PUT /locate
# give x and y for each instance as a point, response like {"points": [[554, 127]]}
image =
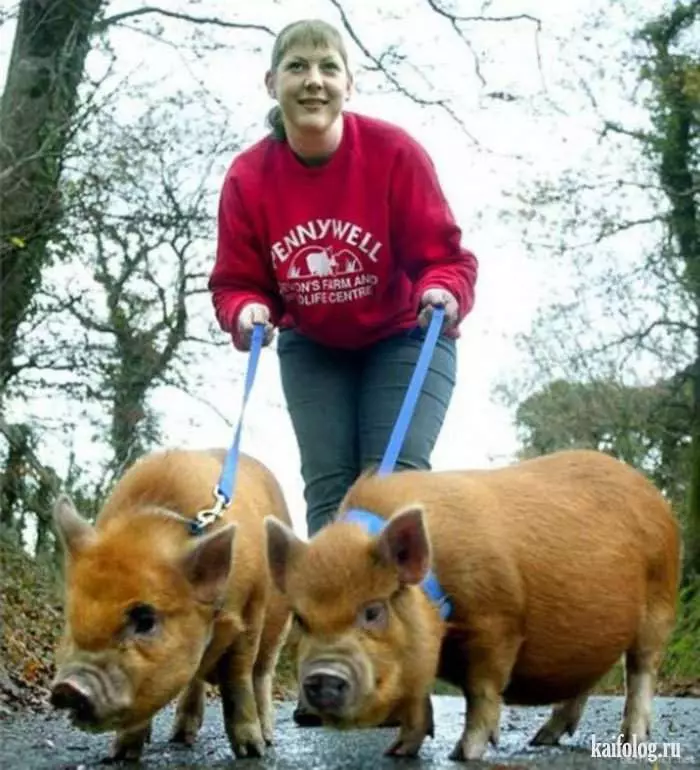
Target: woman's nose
{"points": [[313, 77]]}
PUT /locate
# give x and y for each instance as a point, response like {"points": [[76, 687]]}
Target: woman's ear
{"points": [[351, 86], [270, 84]]}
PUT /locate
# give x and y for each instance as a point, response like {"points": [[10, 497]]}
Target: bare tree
{"points": [[37, 111], [630, 231], [139, 224]]}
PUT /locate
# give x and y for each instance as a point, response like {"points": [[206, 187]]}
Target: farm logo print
{"points": [[326, 262]]}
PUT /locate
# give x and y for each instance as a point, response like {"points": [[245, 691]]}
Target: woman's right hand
{"points": [[251, 314]]}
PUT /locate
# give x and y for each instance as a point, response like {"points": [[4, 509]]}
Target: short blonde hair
{"points": [[314, 32]]}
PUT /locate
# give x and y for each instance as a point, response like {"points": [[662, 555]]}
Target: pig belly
{"points": [[570, 640], [571, 644]]}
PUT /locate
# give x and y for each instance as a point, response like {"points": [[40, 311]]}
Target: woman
{"points": [[335, 230]]}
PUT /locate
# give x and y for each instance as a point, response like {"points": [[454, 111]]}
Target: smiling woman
{"points": [[335, 229], [311, 80]]}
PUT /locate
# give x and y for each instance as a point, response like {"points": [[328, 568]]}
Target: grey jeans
{"points": [[343, 405]]}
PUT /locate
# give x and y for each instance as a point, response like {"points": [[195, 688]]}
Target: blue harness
{"points": [[373, 525]]}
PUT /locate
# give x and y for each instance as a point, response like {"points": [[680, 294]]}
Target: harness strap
{"points": [[373, 525]]}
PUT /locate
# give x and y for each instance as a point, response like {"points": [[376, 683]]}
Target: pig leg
{"points": [[490, 655], [128, 744], [262, 687], [272, 639], [416, 722], [564, 719], [235, 674], [189, 714], [640, 679], [641, 666]]}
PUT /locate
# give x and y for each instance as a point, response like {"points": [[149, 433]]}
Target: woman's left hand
{"points": [[438, 297]]}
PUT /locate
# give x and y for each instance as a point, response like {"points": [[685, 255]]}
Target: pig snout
{"points": [[326, 691], [329, 688], [74, 697], [93, 699]]}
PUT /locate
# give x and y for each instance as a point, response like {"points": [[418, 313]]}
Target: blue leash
{"points": [[373, 523], [223, 492], [398, 434]]}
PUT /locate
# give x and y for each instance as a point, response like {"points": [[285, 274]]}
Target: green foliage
{"points": [[646, 427], [682, 660], [631, 238]]}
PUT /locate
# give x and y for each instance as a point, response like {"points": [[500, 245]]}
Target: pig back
{"points": [[576, 533], [183, 481]]}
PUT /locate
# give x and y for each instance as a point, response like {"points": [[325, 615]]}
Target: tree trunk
{"points": [[128, 414], [693, 509], [12, 488], [36, 112]]}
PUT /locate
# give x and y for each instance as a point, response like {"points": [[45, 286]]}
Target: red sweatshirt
{"points": [[342, 251]]}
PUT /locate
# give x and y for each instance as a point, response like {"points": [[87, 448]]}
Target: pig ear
{"points": [[207, 565], [282, 544], [404, 544], [74, 531]]}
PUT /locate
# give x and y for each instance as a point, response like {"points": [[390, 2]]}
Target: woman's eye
{"points": [[373, 616], [142, 619]]}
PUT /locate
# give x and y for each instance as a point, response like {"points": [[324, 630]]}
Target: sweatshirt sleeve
{"points": [[424, 229], [242, 273]]}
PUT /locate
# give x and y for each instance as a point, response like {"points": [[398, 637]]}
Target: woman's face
{"points": [[311, 85]]}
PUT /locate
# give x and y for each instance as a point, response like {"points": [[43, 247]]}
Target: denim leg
{"points": [[387, 371], [320, 388]]}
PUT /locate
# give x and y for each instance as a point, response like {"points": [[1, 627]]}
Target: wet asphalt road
{"points": [[38, 742]]}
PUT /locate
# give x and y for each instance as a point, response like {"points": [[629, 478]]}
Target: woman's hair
{"points": [[315, 32]]}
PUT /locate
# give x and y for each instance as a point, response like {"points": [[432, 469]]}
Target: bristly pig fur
{"points": [[556, 567], [153, 611]]}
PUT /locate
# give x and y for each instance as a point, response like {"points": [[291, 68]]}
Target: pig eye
{"points": [[142, 619], [373, 616], [299, 622]]}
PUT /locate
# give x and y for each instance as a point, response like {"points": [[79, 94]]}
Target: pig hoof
{"points": [[547, 736], [457, 753], [638, 733], [462, 753], [185, 735], [550, 732], [123, 754], [249, 749], [404, 747], [248, 742], [128, 745]]}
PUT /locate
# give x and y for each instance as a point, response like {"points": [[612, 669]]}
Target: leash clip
{"points": [[224, 490], [208, 516]]}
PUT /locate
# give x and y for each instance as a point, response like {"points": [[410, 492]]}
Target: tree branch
{"points": [[117, 18], [381, 67]]}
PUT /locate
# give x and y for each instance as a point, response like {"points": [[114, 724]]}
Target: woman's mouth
{"points": [[313, 103]]}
